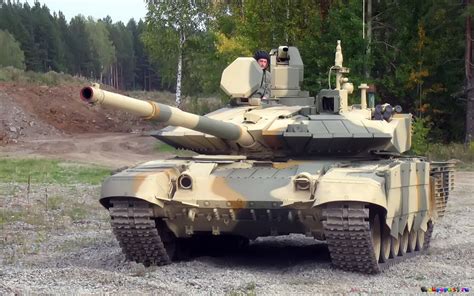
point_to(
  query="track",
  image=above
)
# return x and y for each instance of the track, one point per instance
(347, 228)
(137, 233)
(348, 234)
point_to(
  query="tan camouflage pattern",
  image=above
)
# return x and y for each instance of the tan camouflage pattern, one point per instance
(261, 198)
(272, 169)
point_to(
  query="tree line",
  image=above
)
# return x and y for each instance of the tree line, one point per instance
(412, 51)
(41, 41)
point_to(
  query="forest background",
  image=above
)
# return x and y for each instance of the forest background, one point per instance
(412, 51)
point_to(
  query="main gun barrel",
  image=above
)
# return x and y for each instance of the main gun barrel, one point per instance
(168, 115)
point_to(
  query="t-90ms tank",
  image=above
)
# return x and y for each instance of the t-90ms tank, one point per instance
(291, 164)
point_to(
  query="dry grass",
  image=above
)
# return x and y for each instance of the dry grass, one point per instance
(33, 209)
(464, 154)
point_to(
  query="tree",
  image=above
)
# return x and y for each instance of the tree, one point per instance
(66, 37)
(171, 24)
(15, 18)
(10, 51)
(124, 67)
(146, 77)
(103, 51)
(80, 44)
(47, 38)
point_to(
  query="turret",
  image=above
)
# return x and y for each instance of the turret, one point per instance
(291, 124)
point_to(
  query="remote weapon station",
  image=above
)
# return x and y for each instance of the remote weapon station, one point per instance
(290, 164)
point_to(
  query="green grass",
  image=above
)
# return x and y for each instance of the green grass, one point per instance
(49, 171)
(30, 217)
(165, 148)
(51, 78)
(39, 215)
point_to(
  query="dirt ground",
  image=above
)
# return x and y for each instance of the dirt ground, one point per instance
(80, 254)
(53, 122)
(34, 111)
(112, 150)
(73, 250)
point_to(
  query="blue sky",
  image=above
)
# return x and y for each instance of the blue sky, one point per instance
(119, 10)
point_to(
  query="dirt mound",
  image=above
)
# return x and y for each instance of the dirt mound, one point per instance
(28, 110)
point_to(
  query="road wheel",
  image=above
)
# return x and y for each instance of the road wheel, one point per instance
(386, 242)
(376, 235)
(412, 236)
(420, 240)
(395, 246)
(403, 242)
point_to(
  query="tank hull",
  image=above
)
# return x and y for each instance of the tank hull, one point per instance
(231, 196)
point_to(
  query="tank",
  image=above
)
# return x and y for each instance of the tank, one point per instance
(313, 165)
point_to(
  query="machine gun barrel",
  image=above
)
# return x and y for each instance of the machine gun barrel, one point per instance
(168, 115)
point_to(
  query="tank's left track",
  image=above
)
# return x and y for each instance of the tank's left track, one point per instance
(348, 233)
(137, 232)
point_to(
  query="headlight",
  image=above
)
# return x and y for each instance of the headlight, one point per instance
(303, 181)
(185, 181)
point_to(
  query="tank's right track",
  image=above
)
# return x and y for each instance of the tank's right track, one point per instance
(348, 235)
(136, 231)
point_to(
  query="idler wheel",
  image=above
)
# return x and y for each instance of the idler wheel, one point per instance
(412, 236)
(420, 240)
(404, 242)
(386, 244)
(395, 246)
(376, 235)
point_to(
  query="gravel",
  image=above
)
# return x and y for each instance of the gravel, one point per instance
(63, 255)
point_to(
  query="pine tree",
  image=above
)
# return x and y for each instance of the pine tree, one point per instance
(10, 51)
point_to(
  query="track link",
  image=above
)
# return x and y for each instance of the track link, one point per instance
(347, 231)
(135, 229)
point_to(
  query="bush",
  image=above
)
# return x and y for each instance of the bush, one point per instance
(419, 139)
(50, 78)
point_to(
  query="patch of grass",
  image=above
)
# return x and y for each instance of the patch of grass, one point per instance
(165, 148)
(77, 213)
(49, 171)
(167, 98)
(30, 217)
(246, 290)
(202, 106)
(50, 78)
(463, 153)
(55, 202)
(76, 244)
(40, 215)
(194, 105)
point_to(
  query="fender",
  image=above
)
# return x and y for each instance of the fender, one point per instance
(151, 182)
(351, 184)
